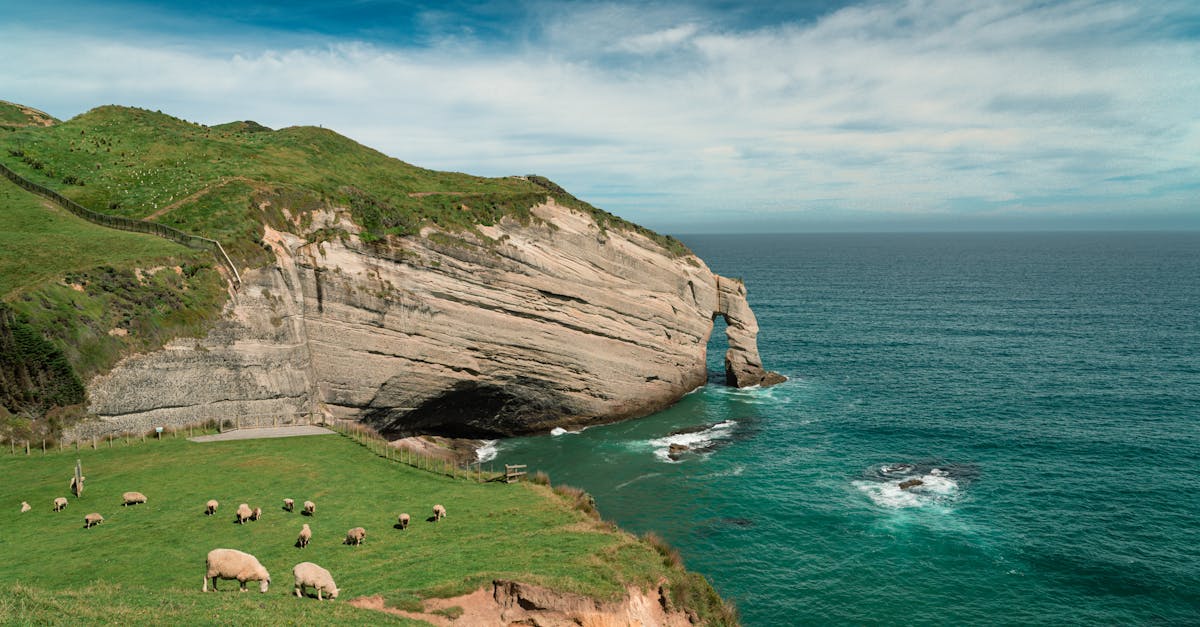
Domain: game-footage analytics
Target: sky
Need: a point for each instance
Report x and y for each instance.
(688, 117)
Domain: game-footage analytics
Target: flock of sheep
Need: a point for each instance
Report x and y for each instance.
(244, 567)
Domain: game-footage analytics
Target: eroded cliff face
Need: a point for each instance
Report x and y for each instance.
(522, 328)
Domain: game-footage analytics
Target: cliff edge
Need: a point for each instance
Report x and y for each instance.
(513, 328)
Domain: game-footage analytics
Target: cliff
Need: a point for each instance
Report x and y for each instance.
(512, 328)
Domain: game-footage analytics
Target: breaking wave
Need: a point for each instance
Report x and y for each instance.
(700, 440)
(924, 485)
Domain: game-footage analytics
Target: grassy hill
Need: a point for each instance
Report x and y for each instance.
(80, 287)
(224, 181)
(75, 297)
(145, 563)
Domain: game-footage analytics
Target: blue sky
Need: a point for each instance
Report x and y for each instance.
(689, 116)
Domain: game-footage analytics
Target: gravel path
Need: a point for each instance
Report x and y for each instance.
(264, 432)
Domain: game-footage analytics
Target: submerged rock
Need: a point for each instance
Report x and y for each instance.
(910, 483)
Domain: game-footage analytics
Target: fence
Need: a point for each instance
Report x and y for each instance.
(126, 224)
(375, 443)
(48, 446)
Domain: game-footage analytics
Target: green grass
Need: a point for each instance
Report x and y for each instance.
(136, 163)
(147, 561)
(14, 116)
(40, 242)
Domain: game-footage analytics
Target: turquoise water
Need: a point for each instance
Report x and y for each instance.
(1045, 387)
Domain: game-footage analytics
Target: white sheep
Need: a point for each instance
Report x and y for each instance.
(133, 498)
(60, 503)
(439, 512)
(305, 536)
(309, 575)
(210, 507)
(256, 514)
(77, 485)
(92, 519)
(25, 507)
(243, 513)
(310, 508)
(288, 505)
(234, 564)
(355, 536)
(404, 518)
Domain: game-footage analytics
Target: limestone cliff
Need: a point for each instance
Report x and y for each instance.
(512, 328)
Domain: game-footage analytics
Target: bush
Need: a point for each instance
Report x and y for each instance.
(578, 499)
(540, 478)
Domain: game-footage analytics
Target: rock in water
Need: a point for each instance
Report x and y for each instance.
(676, 450)
(514, 328)
(910, 483)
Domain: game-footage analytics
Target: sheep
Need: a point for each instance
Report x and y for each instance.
(210, 507)
(309, 575)
(256, 514)
(25, 507)
(234, 564)
(243, 513)
(92, 519)
(60, 503)
(133, 498)
(305, 536)
(355, 536)
(439, 513)
(288, 505)
(310, 508)
(404, 518)
(77, 485)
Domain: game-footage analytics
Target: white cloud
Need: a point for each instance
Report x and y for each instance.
(904, 107)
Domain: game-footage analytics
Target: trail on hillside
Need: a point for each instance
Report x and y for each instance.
(194, 196)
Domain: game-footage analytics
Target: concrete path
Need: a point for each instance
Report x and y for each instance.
(264, 432)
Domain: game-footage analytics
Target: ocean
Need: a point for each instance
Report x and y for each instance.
(1043, 387)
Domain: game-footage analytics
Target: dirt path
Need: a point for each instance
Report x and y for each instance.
(193, 197)
(264, 432)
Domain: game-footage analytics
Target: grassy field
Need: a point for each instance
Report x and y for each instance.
(40, 242)
(145, 563)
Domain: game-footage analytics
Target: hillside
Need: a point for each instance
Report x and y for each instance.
(223, 182)
(370, 289)
(145, 563)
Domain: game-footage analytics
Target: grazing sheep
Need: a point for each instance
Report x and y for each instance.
(60, 503)
(439, 512)
(309, 575)
(234, 564)
(25, 507)
(288, 505)
(243, 513)
(310, 508)
(91, 520)
(210, 507)
(404, 518)
(305, 536)
(355, 536)
(133, 498)
(256, 514)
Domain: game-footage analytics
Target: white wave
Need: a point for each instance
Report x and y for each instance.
(561, 431)
(637, 478)
(696, 440)
(936, 488)
(488, 451)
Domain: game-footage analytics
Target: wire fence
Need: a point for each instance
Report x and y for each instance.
(126, 224)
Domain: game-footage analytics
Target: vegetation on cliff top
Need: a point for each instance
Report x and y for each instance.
(145, 164)
(145, 563)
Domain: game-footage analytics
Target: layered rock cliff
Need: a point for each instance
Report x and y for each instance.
(511, 328)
